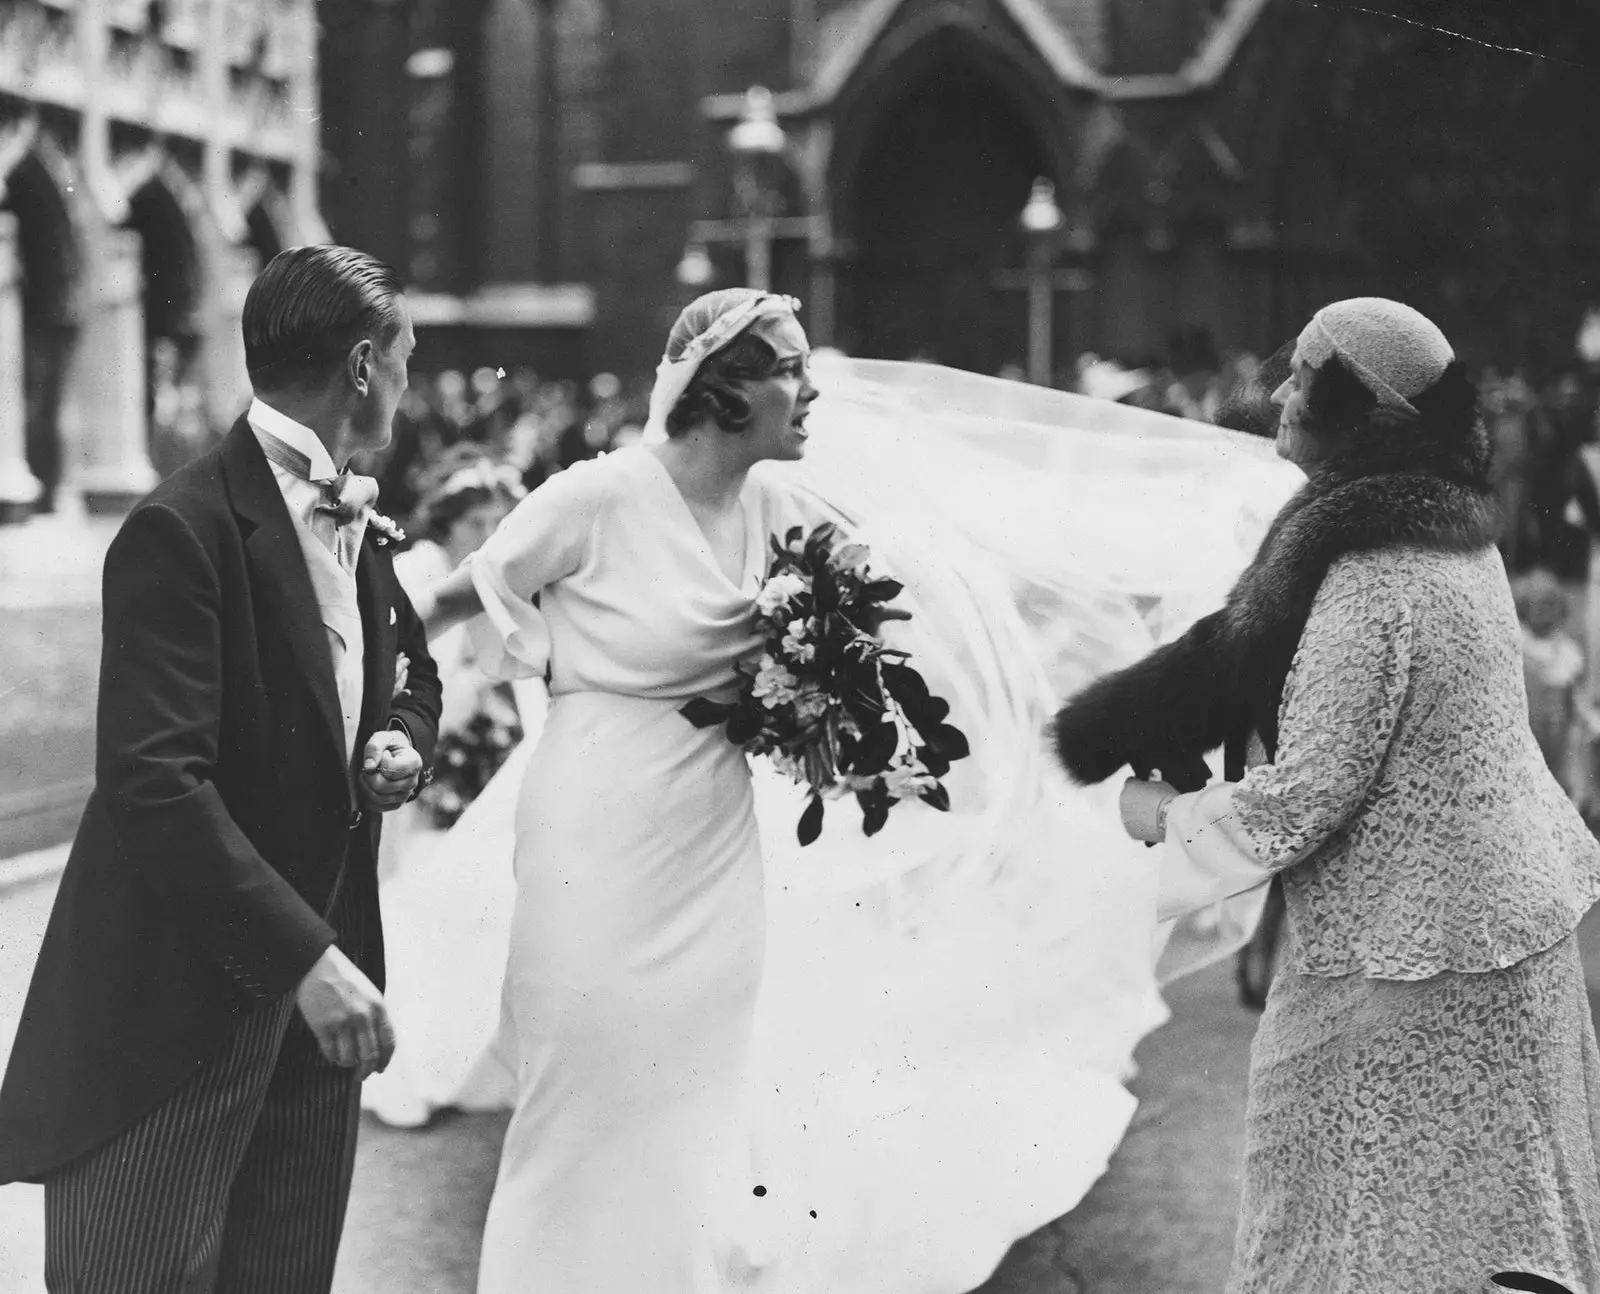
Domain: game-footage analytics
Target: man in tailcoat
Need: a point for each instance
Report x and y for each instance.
(207, 999)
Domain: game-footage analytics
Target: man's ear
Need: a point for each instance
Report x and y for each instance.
(358, 364)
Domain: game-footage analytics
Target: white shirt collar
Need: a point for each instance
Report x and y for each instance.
(264, 418)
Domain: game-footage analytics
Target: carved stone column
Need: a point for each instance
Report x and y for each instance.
(19, 489)
(108, 431)
(231, 270)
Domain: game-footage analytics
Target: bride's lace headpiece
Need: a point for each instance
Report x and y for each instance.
(673, 376)
(1394, 351)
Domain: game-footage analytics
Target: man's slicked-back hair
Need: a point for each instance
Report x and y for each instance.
(310, 306)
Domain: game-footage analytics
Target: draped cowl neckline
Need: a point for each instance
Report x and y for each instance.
(755, 538)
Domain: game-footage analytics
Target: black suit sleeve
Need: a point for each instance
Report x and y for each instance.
(417, 708)
(159, 719)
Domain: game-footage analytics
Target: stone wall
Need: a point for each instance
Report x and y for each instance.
(146, 170)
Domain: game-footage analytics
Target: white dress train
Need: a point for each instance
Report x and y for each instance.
(865, 1066)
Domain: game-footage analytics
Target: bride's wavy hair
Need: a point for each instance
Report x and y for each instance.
(1362, 437)
(717, 388)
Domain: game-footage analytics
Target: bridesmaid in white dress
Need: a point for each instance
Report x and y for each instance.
(637, 938)
(429, 954)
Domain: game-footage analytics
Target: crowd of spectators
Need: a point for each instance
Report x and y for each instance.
(1546, 436)
(1541, 431)
(535, 427)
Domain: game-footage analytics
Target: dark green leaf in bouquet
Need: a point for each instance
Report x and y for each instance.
(743, 725)
(810, 825)
(875, 804)
(882, 590)
(819, 542)
(793, 537)
(853, 557)
(932, 760)
(906, 685)
(824, 592)
(938, 797)
(705, 713)
(878, 745)
(848, 748)
(947, 739)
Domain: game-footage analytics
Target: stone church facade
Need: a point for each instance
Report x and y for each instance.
(546, 173)
(540, 168)
(151, 156)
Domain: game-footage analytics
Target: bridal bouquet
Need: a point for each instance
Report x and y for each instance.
(827, 701)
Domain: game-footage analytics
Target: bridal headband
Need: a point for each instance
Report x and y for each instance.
(674, 375)
(483, 475)
(1394, 351)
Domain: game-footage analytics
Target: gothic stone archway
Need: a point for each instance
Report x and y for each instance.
(928, 199)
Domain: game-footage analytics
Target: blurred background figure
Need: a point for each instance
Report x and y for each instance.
(1520, 434)
(465, 496)
(1553, 669)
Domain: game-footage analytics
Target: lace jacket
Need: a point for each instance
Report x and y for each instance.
(1416, 822)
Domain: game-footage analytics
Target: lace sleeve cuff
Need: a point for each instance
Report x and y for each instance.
(1207, 856)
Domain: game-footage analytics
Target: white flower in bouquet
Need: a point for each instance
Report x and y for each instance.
(907, 780)
(779, 591)
(795, 643)
(810, 703)
(774, 684)
(834, 706)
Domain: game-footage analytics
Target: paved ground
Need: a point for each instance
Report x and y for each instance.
(1159, 1222)
(49, 659)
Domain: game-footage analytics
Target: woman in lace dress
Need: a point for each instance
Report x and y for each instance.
(1424, 1080)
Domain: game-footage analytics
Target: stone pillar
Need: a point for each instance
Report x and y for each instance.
(19, 489)
(230, 272)
(307, 104)
(108, 428)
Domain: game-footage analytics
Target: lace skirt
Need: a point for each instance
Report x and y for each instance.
(1421, 1136)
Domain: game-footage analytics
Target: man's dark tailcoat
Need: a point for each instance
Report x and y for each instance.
(206, 865)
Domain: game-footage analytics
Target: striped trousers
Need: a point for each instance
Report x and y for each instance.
(237, 1184)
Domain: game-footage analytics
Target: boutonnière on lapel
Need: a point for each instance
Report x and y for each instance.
(385, 529)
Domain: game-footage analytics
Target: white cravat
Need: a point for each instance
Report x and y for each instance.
(331, 565)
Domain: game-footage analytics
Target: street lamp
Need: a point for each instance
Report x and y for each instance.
(753, 141)
(1589, 338)
(695, 269)
(1040, 220)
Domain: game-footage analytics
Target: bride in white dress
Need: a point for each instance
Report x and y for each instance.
(866, 1066)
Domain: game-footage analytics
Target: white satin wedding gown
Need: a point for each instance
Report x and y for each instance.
(862, 1067)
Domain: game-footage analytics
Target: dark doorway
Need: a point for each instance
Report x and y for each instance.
(48, 263)
(931, 205)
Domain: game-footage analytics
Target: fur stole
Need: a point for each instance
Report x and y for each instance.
(1224, 678)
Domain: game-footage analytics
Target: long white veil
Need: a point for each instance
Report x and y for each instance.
(1043, 538)
(948, 1009)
